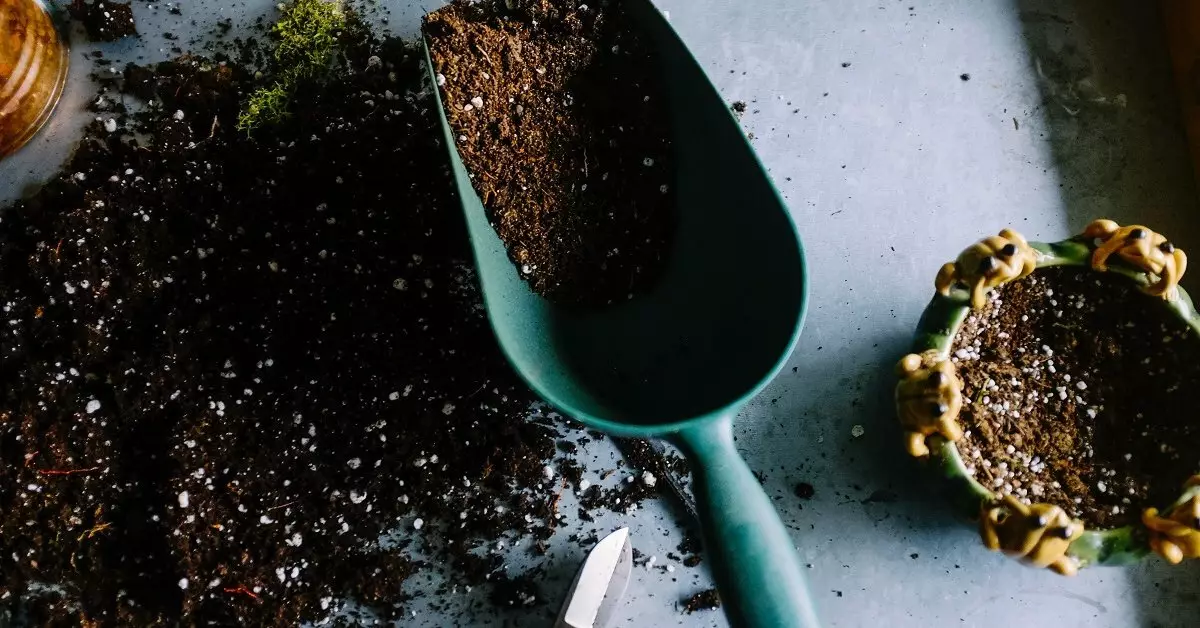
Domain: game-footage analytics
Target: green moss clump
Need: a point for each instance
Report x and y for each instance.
(307, 39)
(307, 33)
(267, 105)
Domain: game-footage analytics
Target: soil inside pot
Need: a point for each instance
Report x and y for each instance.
(559, 118)
(1080, 391)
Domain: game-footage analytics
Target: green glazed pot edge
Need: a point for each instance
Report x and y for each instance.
(939, 324)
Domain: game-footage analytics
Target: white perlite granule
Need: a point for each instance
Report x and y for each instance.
(648, 479)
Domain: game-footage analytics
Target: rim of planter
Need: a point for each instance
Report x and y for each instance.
(941, 321)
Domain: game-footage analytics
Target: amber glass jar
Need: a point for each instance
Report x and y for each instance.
(33, 70)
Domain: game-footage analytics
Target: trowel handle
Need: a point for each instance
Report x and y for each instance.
(758, 572)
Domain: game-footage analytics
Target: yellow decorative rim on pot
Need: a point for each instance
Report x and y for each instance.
(928, 397)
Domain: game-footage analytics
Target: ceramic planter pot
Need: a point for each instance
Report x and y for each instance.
(928, 398)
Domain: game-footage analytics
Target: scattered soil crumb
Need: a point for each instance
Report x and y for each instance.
(706, 600)
(104, 20)
(651, 463)
(691, 548)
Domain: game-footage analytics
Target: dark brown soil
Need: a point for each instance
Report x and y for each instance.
(232, 364)
(706, 600)
(667, 471)
(1080, 391)
(559, 118)
(104, 20)
(691, 549)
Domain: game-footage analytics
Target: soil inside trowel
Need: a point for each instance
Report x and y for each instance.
(558, 116)
(1080, 391)
(247, 378)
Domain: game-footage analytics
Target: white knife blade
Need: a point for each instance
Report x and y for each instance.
(600, 583)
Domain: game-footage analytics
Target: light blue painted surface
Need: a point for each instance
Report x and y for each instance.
(930, 163)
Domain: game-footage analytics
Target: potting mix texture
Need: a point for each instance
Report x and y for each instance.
(558, 115)
(1079, 391)
(248, 377)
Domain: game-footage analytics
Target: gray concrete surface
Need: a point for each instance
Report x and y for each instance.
(891, 165)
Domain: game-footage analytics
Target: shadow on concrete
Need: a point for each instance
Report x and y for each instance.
(1110, 114)
(1111, 120)
(874, 474)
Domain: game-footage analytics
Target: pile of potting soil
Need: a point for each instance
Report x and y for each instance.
(1079, 391)
(560, 120)
(232, 364)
